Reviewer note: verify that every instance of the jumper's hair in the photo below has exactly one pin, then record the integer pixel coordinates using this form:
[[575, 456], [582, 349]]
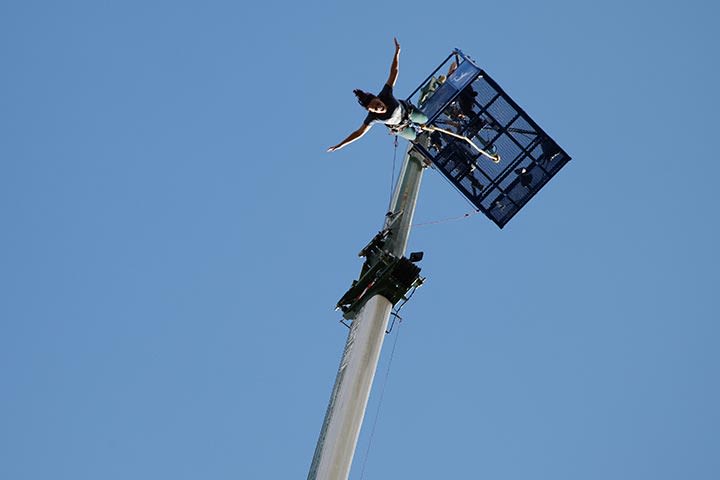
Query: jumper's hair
[[363, 98]]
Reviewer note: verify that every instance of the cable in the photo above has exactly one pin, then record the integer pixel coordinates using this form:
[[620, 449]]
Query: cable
[[392, 177], [445, 220]]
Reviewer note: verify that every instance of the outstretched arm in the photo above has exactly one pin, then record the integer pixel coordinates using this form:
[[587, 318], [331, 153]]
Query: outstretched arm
[[351, 138], [394, 67]]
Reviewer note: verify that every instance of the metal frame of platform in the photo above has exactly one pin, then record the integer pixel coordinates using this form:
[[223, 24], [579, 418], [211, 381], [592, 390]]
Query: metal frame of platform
[[471, 104]]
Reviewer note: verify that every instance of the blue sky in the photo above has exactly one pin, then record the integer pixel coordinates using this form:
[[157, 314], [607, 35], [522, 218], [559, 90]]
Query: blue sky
[[174, 239]]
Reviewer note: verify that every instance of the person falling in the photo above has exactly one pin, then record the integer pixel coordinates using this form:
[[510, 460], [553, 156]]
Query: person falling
[[398, 116]]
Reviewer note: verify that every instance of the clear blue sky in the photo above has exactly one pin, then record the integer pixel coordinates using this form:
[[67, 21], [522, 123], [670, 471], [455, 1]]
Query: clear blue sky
[[174, 238]]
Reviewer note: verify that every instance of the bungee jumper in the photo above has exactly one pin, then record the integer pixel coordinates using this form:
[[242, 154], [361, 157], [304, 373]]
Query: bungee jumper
[[400, 116]]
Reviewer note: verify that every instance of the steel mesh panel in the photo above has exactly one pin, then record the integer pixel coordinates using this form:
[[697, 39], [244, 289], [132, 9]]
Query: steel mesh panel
[[522, 132], [485, 93], [502, 112], [508, 149]]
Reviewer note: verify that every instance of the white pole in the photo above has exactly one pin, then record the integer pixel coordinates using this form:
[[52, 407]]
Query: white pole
[[338, 438], [355, 377]]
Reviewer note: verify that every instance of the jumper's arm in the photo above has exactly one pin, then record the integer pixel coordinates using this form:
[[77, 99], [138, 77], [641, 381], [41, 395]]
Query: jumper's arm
[[394, 67], [351, 138]]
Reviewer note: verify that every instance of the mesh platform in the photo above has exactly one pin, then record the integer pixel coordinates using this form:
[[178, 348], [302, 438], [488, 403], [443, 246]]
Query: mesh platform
[[469, 103]]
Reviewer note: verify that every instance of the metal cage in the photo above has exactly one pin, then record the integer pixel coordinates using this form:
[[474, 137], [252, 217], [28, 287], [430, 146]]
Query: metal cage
[[468, 102]]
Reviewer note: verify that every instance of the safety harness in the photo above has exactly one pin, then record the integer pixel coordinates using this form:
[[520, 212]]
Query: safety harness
[[405, 121]]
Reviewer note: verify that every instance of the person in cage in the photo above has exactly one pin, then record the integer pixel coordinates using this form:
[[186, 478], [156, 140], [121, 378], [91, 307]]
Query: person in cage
[[399, 116]]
